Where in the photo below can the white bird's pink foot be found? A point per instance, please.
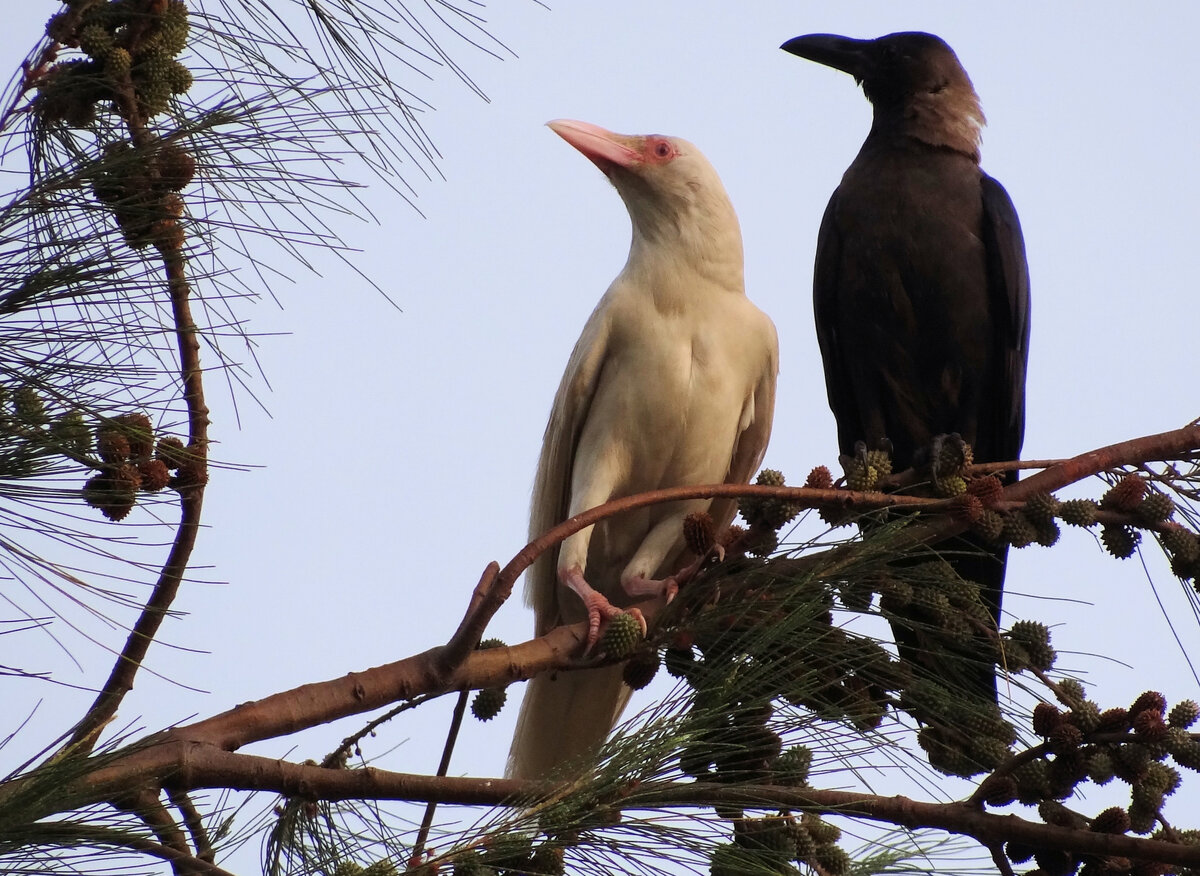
(641, 587)
(599, 610)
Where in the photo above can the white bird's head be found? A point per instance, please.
(674, 197)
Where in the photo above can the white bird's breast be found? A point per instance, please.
(672, 397)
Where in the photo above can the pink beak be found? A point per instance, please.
(602, 147)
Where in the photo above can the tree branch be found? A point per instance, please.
(201, 755)
(194, 823)
(203, 767)
(191, 478)
(485, 602)
(147, 806)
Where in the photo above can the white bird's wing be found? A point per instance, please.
(552, 484)
(758, 416)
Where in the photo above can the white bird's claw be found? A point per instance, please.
(599, 610)
(641, 587)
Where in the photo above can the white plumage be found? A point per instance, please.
(671, 383)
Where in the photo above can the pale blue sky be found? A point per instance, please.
(399, 453)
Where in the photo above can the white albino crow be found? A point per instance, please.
(671, 383)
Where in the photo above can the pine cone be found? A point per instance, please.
(621, 636)
(112, 445)
(1150, 699)
(1155, 508)
(791, 768)
(990, 525)
(1046, 718)
(819, 479)
(1126, 494)
(1078, 512)
(948, 487)
(860, 477)
(1180, 543)
(1184, 714)
(880, 460)
(1035, 639)
(641, 669)
(1041, 508)
(1047, 534)
(139, 431)
(1018, 531)
(488, 703)
(986, 489)
(1120, 541)
(1111, 820)
(699, 532)
(967, 508)
(154, 474)
(172, 452)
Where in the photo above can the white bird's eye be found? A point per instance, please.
(662, 149)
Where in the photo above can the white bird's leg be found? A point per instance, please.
(635, 580)
(599, 610)
(641, 587)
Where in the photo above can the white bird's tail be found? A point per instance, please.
(564, 719)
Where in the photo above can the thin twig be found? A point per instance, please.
(337, 757)
(913, 476)
(1164, 445)
(317, 703)
(146, 806)
(1000, 859)
(849, 500)
(1150, 448)
(460, 709)
(483, 605)
(192, 477)
(193, 821)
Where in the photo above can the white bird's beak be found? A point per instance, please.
(604, 148)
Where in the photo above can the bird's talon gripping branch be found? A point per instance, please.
(599, 610)
(948, 454)
(670, 590)
(642, 587)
